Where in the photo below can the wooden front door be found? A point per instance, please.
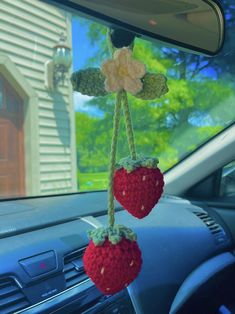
(11, 142)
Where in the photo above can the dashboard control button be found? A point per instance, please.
(39, 264)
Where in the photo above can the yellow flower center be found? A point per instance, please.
(122, 71)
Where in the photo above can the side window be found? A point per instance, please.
(218, 187)
(227, 185)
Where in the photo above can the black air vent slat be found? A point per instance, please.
(214, 227)
(216, 230)
(14, 307)
(4, 283)
(78, 264)
(74, 281)
(73, 273)
(73, 268)
(11, 297)
(5, 291)
(68, 267)
(201, 214)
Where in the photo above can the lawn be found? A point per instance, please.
(92, 181)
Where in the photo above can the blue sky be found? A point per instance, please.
(82, 51)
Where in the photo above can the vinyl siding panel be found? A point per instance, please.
(30, 11)
(29, 30)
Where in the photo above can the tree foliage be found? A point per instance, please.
(199, 104)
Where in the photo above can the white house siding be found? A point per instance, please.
(28, 31)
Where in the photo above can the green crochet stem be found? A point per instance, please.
(120, 98)
(129, 128)
(116, 122)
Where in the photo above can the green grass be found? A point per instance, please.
(92, 181)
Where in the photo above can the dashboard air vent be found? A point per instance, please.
(73, 268)
(216, 229)
(12, 298)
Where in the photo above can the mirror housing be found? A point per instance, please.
(196, 25)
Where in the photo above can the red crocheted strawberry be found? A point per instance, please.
(112, 259)
(138, 185)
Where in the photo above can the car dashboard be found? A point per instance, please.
(186, 249)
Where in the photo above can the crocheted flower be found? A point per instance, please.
(122, 72)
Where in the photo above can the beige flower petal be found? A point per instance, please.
(122, 56)
(132, 86)
(136, 69)
(108, 67)
(112, 84)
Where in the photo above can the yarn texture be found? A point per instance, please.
(113, 258)
(123, 72)
(112, 267)
(154, 86)
(138, 191)
(89, 82)
(113, 233)
(131, 164)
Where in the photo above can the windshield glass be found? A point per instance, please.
(56, 141)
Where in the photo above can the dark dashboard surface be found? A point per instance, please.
(176, 239)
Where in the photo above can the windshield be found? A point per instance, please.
(56, 141)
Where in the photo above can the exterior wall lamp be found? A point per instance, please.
(56, 69)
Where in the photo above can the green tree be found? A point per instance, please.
(199, 103)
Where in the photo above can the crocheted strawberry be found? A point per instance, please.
(138, 185)
(112, 259)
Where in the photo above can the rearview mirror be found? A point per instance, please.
(197, 25)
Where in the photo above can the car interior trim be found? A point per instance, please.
(58, 298)
(199, 276)
(92, 221)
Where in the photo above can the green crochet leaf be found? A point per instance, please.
(141, 161)
(114, 234)
(154, 86)
(89, 82)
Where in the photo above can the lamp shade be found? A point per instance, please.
(62, 56)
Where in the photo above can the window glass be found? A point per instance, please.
(56, 141)
(227, 186)
(200, 102)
